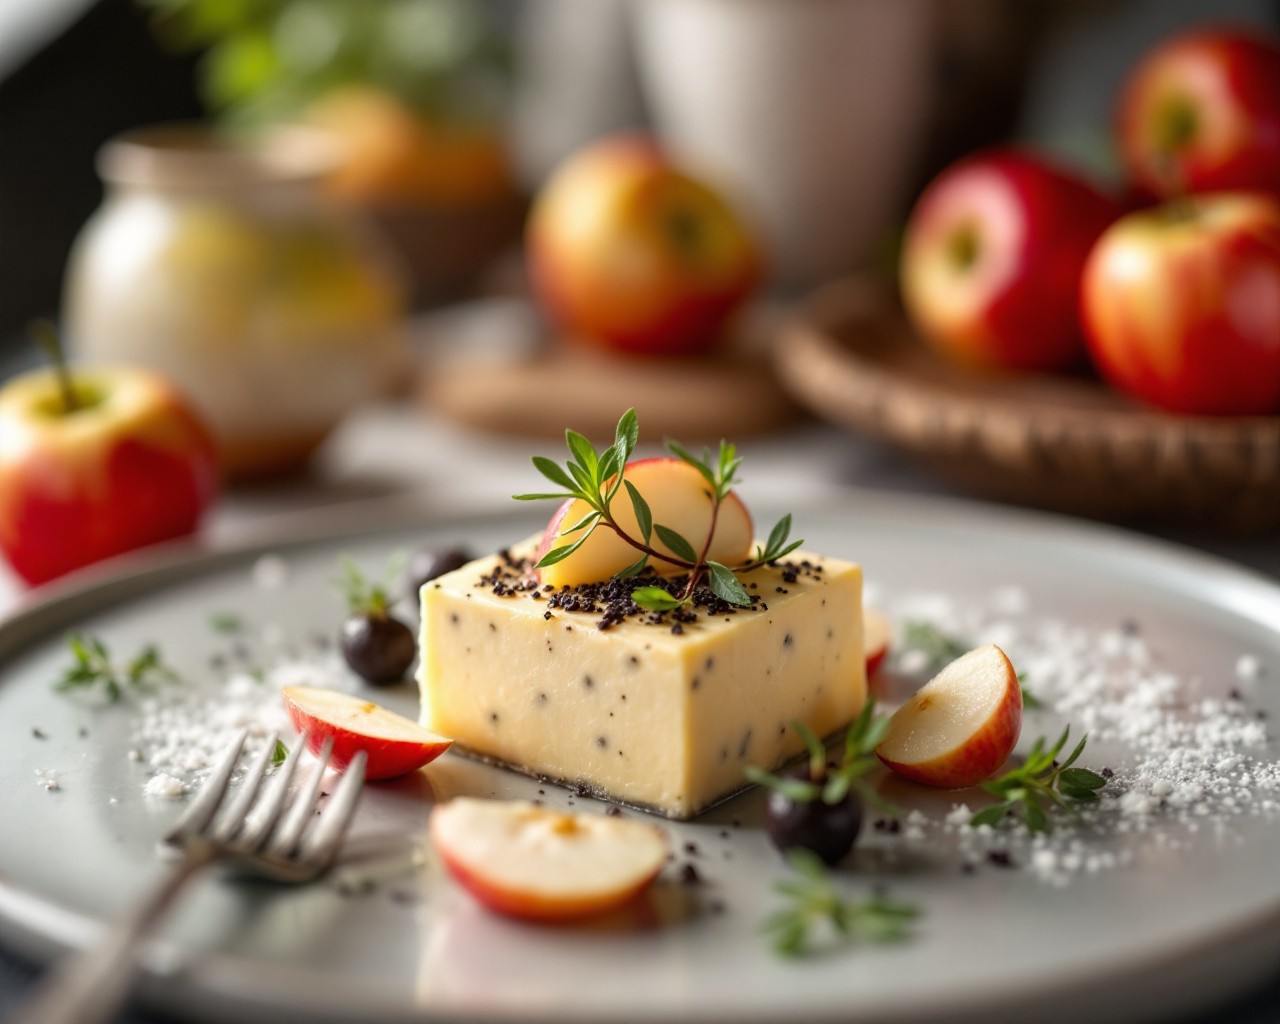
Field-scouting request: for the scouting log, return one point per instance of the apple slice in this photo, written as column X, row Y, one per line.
column 877, row 631
column 961, row 726
column 532, row 862
column 395, row 745
column 677, row 497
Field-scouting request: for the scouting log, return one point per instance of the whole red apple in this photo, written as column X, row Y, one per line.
column 1201, row 113
column 991, row 261
column 128, row 466
column 629, row 252
column 1181, row 304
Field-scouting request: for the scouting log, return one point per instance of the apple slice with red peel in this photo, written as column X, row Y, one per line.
column 877, row 632
column 532, row 862
column 961, row 726
column 395, row 745
column 678, row 498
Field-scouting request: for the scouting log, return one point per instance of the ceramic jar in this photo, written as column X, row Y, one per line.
column 813, row 113
column 215, row 263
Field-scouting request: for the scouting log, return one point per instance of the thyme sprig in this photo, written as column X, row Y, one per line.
column 1041, row 784
column 364, row 595
column 832, row 783
column 92, row 667
column 597, row 478
column 938, row 648
column 814, row 900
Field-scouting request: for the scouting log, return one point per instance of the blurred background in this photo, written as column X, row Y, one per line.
column 508, row 88
column 296, row 208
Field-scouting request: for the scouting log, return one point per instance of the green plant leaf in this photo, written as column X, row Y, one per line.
column 634, row 569
column 655, row 599
column 644, row 517
column 679, row 451
column 675, row 543
column 724, row 584
column 553, row 472
column 561, row 553
column 583, row 451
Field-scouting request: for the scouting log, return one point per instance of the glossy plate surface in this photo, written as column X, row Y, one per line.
column 1176, row 928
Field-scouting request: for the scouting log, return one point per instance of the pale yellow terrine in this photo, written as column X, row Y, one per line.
column 648, row 711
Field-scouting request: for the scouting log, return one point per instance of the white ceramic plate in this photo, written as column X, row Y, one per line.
column 1176, row 929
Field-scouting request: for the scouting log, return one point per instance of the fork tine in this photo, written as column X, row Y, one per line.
column 284, row 840
column 323, row 841
column 260, row 821
column 238, row 807
column 197, row 817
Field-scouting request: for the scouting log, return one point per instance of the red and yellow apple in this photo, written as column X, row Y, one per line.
column 393, row 744
column 528, row 861
column 131, row 465
column 1181, row 304
column 630, row 252
column 991, row 261
column 961, row 726
column 877, row 633
column 1201, row 113
column 677, row 497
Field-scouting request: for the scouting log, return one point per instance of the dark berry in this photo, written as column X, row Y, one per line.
column 827, row 830
column 378, row 648
column 428, row 563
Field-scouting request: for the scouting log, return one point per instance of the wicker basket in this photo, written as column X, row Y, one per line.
column 1058, row 442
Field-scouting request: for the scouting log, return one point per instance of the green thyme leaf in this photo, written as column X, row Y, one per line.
column 938, row 648
column 814, row 901
column 644, row 517
column 675, row 543
column 226, row 622
column 1041, row 782
column 627, row 435
column 724, row 584
column 582, row 451
column 679, row 451
column 279, row 754
column 655, row 599
column 561, row 553
column 92, row 667
column 634, row 569
column 554, row 473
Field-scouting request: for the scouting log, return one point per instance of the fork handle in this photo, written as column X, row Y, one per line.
column 89, row 987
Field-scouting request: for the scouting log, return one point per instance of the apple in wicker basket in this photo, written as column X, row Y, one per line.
column 1181, row 304
column 991, row 262
column 1201, row 113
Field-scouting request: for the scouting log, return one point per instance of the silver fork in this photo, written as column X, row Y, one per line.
column 265, row 836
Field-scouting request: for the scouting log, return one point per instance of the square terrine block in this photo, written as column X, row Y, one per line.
column 649, row 710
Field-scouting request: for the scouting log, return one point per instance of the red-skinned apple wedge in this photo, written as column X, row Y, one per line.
column 631, row 253
column 129, row 465
column 1201, row 113
column 991, row 262
column 677, row 497
column 961, row 726
column 394, row 745
column 1181, row 304
column 877, row 633
column 531, row 862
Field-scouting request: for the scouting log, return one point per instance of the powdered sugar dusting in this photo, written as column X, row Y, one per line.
column 1182, row 754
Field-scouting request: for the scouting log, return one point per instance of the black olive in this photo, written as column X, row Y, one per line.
column 378, row 648
column 428, row 563
column 828, row 830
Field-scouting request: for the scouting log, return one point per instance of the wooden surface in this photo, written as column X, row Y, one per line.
column 1059, row 442
column 733, row 394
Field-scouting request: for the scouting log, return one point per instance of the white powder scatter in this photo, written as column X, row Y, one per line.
column 47, row 779
column 165, row 786
column 181, row 733
column 270, row 572
column 1180, row 754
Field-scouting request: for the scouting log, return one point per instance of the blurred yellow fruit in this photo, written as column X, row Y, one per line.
column 394, row 156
